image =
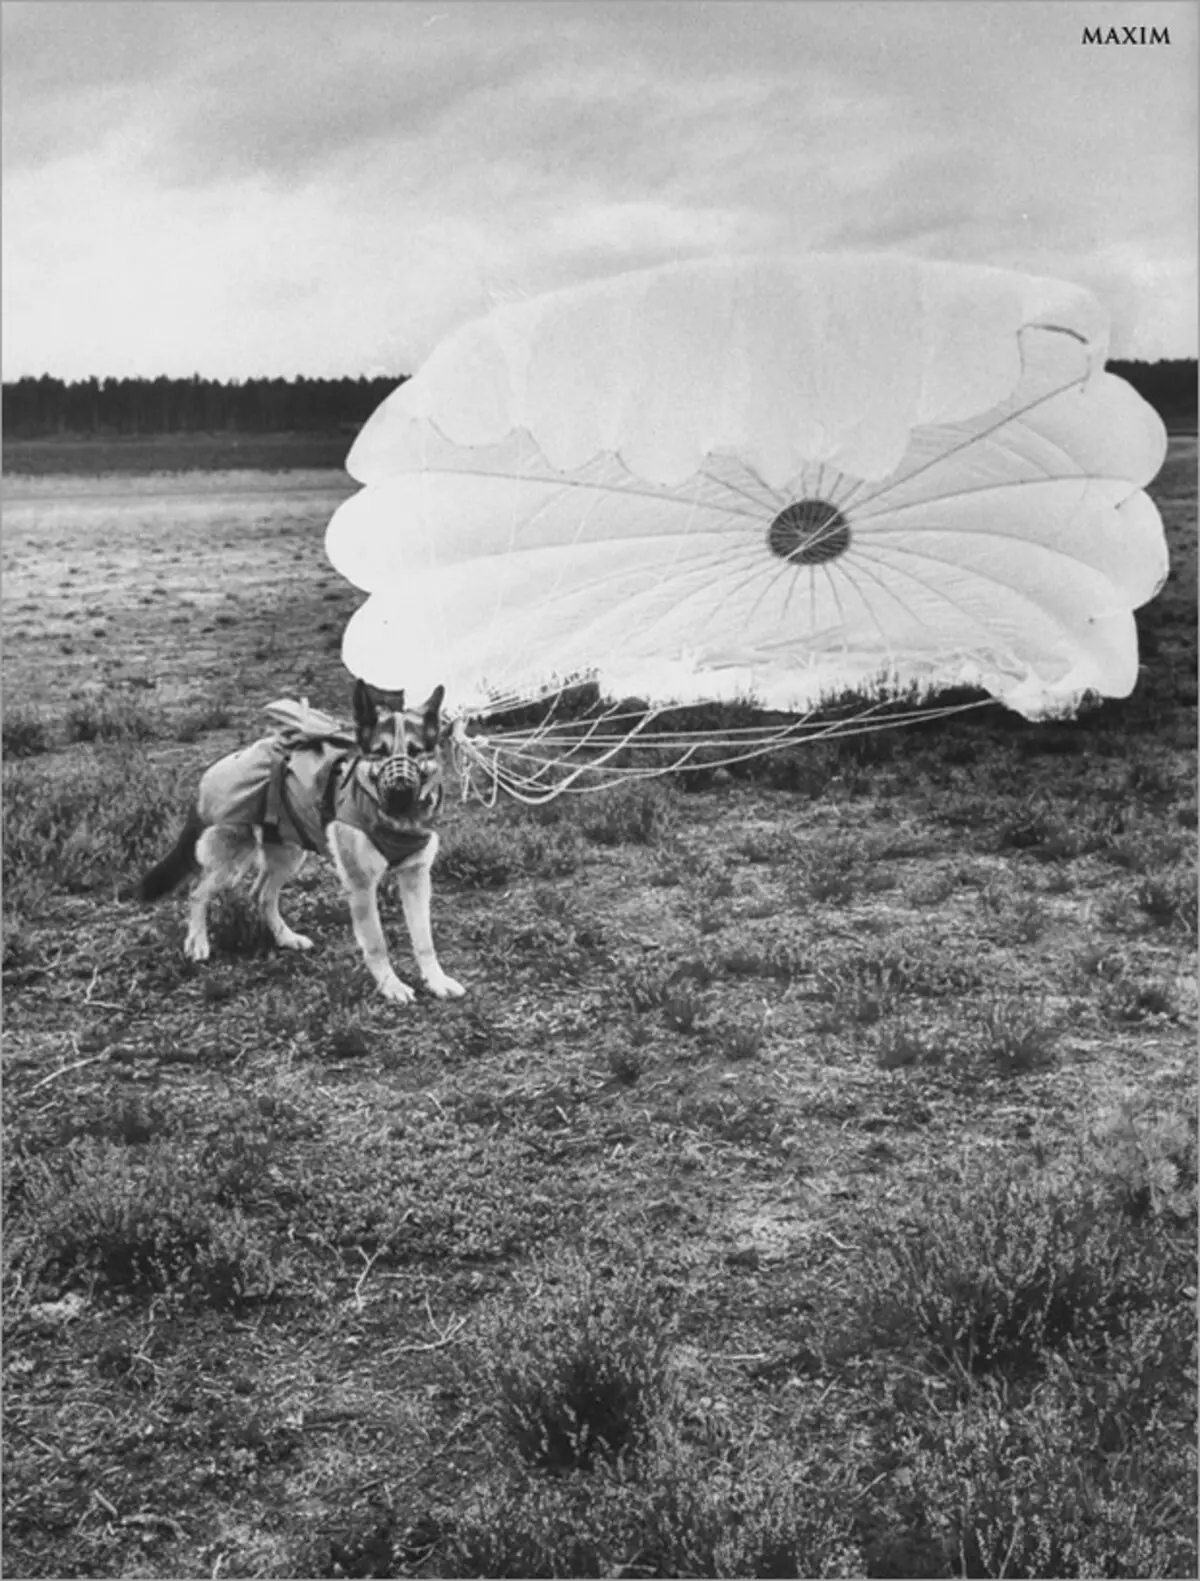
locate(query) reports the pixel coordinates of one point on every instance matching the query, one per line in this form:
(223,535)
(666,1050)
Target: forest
(47,406)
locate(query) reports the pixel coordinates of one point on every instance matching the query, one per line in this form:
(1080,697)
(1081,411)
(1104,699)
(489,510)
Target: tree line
(37,408)
(1169,386)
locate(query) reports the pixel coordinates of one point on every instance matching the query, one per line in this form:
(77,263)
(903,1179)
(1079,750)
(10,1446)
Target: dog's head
(400,748)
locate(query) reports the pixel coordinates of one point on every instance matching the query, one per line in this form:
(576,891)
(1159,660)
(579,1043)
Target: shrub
(828,870)
(102,823)
(860,992)
(199,721)
(1169,901)
(1140,852)
(110,719)
(581,1374)
(906,964)
(1015,1038)
(997,1270)
(902,1045)
(1124,998)
(1037,828)
(1021,919)
(682,1006)
(661,986)
(746,960)
(489,855)
(768,849)
(628,815)
(741,1037)
(626,1060)
(1153,777)
(148,1220)
(25,733)
(1147,1159)
(681,1512)
(1007,1492)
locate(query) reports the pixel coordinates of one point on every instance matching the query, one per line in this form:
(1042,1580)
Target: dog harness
(295,789)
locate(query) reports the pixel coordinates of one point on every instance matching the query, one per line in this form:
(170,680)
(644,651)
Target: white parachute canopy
(761,478)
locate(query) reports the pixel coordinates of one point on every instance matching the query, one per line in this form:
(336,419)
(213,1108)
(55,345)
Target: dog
(365,794)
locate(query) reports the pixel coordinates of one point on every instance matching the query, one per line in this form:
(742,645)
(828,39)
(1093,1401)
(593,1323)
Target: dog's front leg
(415,894)
(360,867)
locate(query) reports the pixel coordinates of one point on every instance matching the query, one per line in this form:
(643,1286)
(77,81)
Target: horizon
(292,378)
(226,189)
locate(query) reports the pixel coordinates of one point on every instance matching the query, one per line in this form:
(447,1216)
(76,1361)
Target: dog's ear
(432,708)
(366,714)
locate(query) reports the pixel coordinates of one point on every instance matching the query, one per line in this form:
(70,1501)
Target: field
(86,455)
(806,1186)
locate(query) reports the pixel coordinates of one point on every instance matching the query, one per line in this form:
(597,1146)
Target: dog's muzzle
(401,783)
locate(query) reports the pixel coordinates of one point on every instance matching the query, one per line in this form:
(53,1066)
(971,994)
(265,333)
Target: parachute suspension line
(515,741)
(502,759)
(531,787)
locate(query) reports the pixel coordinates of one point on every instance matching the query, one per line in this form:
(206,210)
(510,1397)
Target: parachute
(774,479)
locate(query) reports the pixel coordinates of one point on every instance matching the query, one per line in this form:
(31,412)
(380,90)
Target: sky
(240,188)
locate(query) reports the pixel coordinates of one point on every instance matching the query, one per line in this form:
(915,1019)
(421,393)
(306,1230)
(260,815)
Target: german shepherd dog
(364,794)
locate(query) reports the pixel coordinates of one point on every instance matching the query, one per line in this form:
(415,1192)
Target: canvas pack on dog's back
(294,788)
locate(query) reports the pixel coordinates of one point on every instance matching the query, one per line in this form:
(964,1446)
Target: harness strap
(341,766)
(274,810)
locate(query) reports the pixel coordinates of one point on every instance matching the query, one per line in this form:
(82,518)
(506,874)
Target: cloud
(319,186)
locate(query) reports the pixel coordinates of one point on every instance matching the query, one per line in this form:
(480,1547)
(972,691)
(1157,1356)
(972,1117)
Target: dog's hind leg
(222,854)
(278,864)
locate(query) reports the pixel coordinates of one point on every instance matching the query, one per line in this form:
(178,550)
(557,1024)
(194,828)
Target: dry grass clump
(581,1374)
(111,719)
(997,1271)
(1015,1036)
(147,1218)
(478,854)
(630,815)
(25,732)
(1007,1492)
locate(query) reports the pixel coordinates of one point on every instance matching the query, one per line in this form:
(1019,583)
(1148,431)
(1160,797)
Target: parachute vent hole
(809,532)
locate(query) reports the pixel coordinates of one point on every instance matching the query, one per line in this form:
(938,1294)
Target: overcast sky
(241,187)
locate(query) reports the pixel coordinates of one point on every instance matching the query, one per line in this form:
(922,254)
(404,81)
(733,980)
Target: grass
(806,1186)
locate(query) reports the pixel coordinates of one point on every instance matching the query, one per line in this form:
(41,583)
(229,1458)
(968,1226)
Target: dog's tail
(177,865)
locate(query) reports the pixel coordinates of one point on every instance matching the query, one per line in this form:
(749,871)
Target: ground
(769,1058)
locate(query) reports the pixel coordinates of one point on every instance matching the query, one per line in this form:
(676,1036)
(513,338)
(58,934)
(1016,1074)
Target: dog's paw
(196,947)
(399,993)
(443,987)
(287,940)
